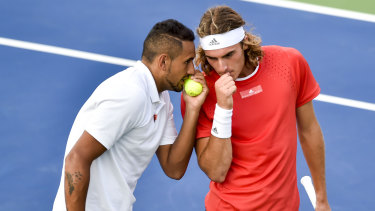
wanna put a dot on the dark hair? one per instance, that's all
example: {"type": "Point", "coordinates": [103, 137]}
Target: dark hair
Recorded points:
{"type": "Point", "coordinates": [221, 19]}
{"type": "Point", "coordinates": [166, 37]}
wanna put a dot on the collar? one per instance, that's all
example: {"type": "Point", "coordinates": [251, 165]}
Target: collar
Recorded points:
{"type": "Point", "coordinates": [151, 85]}
{"type": "Point", "coordinates": [249, 76]}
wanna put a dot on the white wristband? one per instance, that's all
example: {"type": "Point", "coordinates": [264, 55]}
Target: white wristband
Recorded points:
{"type": "Point", "coordinates": [222, 123]}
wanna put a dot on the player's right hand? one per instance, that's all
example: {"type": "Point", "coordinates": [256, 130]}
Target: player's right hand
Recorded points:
{"type": "Point", "coordinates": [197, 101]}
{"type": "Point", "coordinates": [225, 87]}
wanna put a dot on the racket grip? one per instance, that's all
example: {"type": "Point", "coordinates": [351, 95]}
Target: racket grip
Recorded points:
{"type": "Point", "coordinates": [309, 188]}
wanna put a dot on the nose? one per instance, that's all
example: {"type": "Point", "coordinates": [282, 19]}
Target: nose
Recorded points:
{"type": "Point", "coordinates": [191, 69]}
{"type": "Point", "coordinates": [222, 66]}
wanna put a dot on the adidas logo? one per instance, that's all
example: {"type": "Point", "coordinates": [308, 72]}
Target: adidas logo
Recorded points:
{"type": "Point", "coordinates": [215, 130]}
{"type": "Point", "coordinates": [250, 92]}
{"type": "Point", "coordinates": [213, 42]}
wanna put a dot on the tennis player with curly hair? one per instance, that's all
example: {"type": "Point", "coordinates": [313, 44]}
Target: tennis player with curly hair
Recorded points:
{"type": "Point", "coordinates": [260, 99]}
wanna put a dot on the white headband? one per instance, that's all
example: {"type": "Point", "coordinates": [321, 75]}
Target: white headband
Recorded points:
{"type": "Point", "coordinates": [218, 41]}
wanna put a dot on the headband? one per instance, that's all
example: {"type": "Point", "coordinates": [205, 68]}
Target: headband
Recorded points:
{"type": "Point", "coordinates": [218, 41]}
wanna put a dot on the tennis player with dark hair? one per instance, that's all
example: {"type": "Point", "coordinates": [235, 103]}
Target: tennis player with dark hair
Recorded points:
{"type": "Point", "coordinates": [126, 120]}
{"type": "Point", "coordinates": [246, 132]}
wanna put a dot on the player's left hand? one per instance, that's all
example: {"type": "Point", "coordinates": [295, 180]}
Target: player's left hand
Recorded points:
{"type": "Point", "coordinates": [197, 101]}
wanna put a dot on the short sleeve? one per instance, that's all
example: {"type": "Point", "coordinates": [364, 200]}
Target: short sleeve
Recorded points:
{"type": "Point", "coordinates": [170, 133]}
{"type": "Point", "coordinates": [307, 87]}
{"type": "Point", "coordinates": [115, 114]}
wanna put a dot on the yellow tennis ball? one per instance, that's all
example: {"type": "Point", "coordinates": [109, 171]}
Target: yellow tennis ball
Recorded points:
{"type": "Point", "coordinates": [192, 87]}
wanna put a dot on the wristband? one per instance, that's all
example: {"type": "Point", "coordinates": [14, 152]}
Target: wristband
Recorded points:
{"type": "Point", "coordinates": [222, 123]}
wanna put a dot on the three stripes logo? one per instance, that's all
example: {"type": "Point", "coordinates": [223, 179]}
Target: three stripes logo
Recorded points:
{"type": "Point", "coordinates": [213, 42]}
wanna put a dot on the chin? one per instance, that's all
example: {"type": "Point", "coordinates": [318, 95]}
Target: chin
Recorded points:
{"type": "Point", "coordinates": [178, 88]}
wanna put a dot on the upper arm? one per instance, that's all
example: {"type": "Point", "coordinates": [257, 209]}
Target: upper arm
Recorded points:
{"type": "Point", "coordinates": [308, 125]}
{"type": "Point", "coordinates": [162, 153]}
{"type": "Point", "coordinates": [305, 116]}
{"type": "Point", "coordinates": [86, 149]}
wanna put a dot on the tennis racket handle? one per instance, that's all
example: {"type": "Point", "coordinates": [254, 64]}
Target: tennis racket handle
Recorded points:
{"type": "Point", "coordinates": [307, 184]}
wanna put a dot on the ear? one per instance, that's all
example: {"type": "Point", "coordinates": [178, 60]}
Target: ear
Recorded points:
{"type": "Point", "coordinates": [163, 62]}
{"type": "Point", "coordinates": [244, 46]}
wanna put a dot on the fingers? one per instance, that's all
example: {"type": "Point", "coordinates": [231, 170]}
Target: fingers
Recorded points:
{"type": "Point", "coordinates": [225, 84]}
{"type": "Point", "coordinates": [230, 86]}
{"type": "Point", "coordinates": [199, 77]}
{"type": "Point", "coordinates": [197, 101]}
{"type": "Point", "coordinates": [225, 87]}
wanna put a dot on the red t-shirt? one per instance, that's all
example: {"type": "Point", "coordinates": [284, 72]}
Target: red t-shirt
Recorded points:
{"type": "Point", "coordinates": [262, 175]}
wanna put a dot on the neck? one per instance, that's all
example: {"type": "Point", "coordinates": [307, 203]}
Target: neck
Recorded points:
{"type": "Point", "coordinates": [247, 70]}
{"type": "Point", "coordinates": [151, 67]}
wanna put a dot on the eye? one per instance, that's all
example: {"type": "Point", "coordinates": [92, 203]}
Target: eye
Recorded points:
{"type": "Point", "coordinates": [229, 55]}
{"type": "Point", "coordinates": [188, 61]}
{"type": "Point", "coordinates": [211, 58]}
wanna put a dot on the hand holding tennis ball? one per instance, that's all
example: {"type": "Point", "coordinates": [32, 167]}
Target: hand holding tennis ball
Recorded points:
{"type": "Point", "coordinates": [192, 88]}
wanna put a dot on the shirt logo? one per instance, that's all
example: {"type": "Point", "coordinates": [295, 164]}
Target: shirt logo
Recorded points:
{"type": "Point", "coordinates": [215, 130]}
{"type": "Point", "coordinates": [250, 92]}
{"type": "Point", "coordinates": [213, 42]}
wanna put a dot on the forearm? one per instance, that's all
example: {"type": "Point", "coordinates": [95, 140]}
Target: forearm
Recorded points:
{"type": "Point", "coordinates": [216, 158]}
{"type": "Point", "coordinates": [312, 144]}
{"type": "Point", "coordinates": [180, 151]}
{"type": "Point", "coordinates": [77, 178]}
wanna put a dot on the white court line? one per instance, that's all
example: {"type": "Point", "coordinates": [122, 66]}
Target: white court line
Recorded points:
{"type": "Point", "coordinates": [126, 62]}
{"type": "Point", "coordinates": [346, 102]}
{"type": "Point", "coordinates": [317, 9]}
{"type": "Point", "coordinates": [65, 52]}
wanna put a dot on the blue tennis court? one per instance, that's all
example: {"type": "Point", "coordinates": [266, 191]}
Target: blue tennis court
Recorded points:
{"type": "Point", "coordinates": [41, 93]}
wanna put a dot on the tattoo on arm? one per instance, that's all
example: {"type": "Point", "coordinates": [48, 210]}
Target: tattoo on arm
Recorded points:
{"type": "Point", "coordinates": [73, 180]}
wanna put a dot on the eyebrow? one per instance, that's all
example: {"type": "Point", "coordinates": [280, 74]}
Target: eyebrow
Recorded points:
{"type": "Point", "coordinates": [227, 54]}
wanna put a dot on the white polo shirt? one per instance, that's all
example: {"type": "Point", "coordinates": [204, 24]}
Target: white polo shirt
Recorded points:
{"type": "Point", "coordinates": [120, 114]}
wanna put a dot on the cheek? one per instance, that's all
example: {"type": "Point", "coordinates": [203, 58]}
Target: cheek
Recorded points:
{"type": "Point", "coordinates": [180, 74]}
{"type": "Point", "coordinates": [213, 64]}
{"type": "Point", "coordinates": [239, 62]}
{"type": "Point", "coordinates": [177, 71]}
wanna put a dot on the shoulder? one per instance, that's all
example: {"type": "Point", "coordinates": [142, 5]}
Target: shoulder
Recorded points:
{"type": "Point", "coordinates": [280, 49]}
{"type": "Point", "coordinates": [125, 87]}
{"type": "Point", "coordinates": [282, 53]}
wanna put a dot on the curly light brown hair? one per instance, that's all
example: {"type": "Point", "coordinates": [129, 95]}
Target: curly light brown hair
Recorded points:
{"type": "Point", "coordinates": [221, 19]}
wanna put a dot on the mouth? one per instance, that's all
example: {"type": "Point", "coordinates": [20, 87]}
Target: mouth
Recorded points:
{"type": "Point", "coordinates": [182, 81]}
{"type": "Point", "coordinates": [230, 73]}
{"type": "Point", "coordinates": [185, 77]}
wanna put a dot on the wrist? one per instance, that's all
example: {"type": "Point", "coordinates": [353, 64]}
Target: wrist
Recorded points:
{"type": "Point", "coordinates": [321, 198]}
{"type": "Point", "coordinates": [226, 106]}
{"type": "Point", "coordinates": [191, 112]}
{"type": "Point", "coordinates": [222, 122]}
